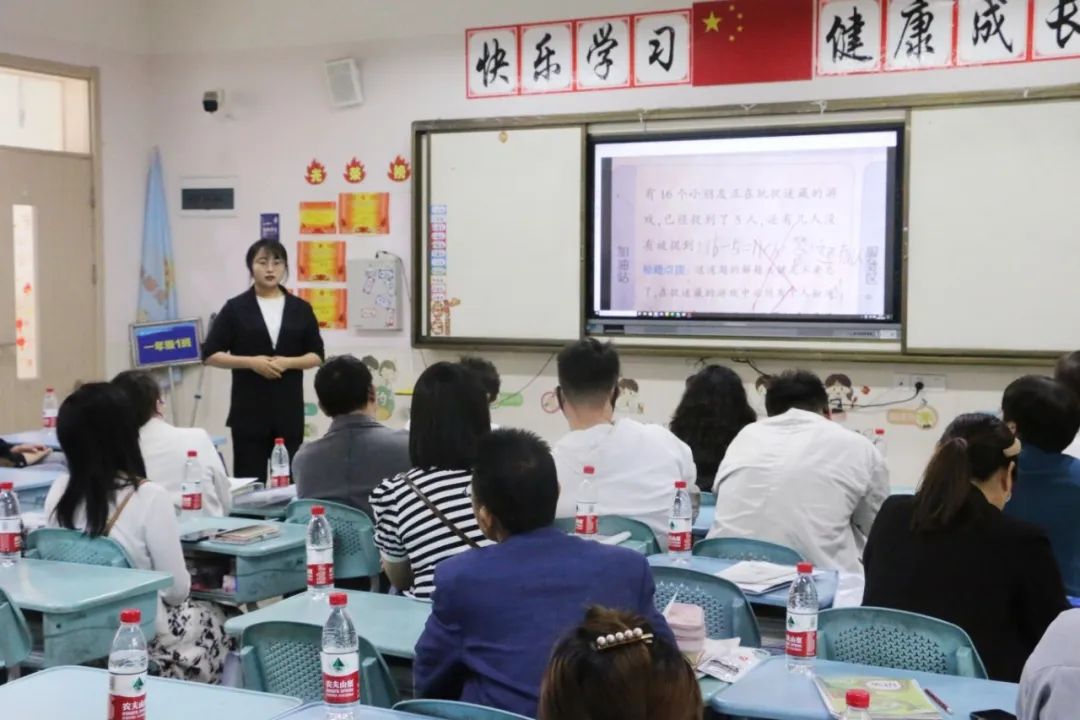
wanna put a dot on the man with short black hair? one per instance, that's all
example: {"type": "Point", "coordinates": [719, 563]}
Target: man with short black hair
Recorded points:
{"type": "Point", "coordinates": [1045, 415]}
{"type": "Point", "coordinates": [1067, 372]}
{"type": "Point", "coordinates": [801, 480]}
{"type": "Point", "coordinates": [357, 452]}
{"type": "Point", "coordinates": [498, 610]}
{"type": "Point", "coordinates": [635, 465]}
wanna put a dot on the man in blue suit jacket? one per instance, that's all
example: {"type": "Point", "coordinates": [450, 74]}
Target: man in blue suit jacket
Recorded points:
{"type": "Point", "coordinates": [498, 611]}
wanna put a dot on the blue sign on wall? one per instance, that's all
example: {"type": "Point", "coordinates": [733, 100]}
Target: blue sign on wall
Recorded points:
{"type": "Point", "coordinates": [177, 342]}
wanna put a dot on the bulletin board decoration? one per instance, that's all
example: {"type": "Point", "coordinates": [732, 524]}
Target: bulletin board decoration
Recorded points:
{"type": "Point", "coordinates": [364, 213]}
{"type": "Point", "coordinates": [318, 217]}
{"type": "Point", "coordinates": [330, 306]}
{"type": "Point", "coordinates": [320, 261]}
{"type": "Point", "coordinates": [400, 170]}
{"type": "Point", "coordinates": [355, 172]}
{"type": "Point", "coordinates": [315, 173]}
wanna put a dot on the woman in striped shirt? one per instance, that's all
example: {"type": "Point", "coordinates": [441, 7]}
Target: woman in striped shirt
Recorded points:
{"type": "Point", "coordinates": [425, 515]}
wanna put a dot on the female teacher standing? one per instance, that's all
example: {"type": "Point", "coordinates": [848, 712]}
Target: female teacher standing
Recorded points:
{"type": "Point", "coordinates": [267, 337]}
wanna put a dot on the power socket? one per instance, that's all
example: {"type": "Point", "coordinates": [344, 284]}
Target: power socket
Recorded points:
{"type": "Point", "coordinates": [930, 383]}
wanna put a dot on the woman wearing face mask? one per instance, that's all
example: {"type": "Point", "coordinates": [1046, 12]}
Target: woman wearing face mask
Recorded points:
{"type": "Point", "coordinates": [267, 337]}
{"type": "Point", "coordinates": [950, 553]}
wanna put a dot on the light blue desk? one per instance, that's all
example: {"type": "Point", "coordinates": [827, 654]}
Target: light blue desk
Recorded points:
{"type": "Point", "coordinates": [826, 580]}
{"type": "Point", "coordinates": [81, 693]}
{"type": "Point", "coordinates": [317, 711]}
{"type": "Point", "coordinates": [264, 569]}
{"type": "Point", "coordinates": [770, 692]}
{"type": "Point", "coordinates": [74, 610]}
{"type": "Point", "coordinates": [31, 486]}
{"type": "Point", "coordinates": [43, 437]}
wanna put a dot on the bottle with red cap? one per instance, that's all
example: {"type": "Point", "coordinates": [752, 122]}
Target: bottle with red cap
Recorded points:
{"type": "Point", "coordinates": [858, 705]}
{"type": "Point", "coordinates": [802, 621]}
{"type": "Point", "coordinates": [320, 553]}
{"type": "Point", "coordinates": [10, 525]}
{"type": "Point", "coordinates": [279, 464]}
{"type": "Point", "coordinates": [681, 526]}
{"type": "Point", "coordinates": [50, 410]}
{"type": "Point", "coordinates": [191, 497]}
{"type": "Point", "coordinates": [127, 669]}
{"type": "Point", "coordinates": [340, 660]}
{"type": "Point", "coordinates": [586, 519]}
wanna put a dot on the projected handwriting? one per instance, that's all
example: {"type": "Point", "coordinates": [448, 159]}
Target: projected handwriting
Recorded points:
{"type": "Point", "coordinates": [492, 64]}
{"type": "Point", "coordinates": [916, 36]}
{"type": "Point", "coordinates": [1062, 20]}
{"type": "Point", "coordinates": [989, 23]}
{"type": "Point", "coordinates": [603, 44]}
{"type": "Point", "coordinates": [543, 67]}
{"type": "Point", "coordinates": [846, 39]}
{"type": "Point", "coordinates": [662, 47]}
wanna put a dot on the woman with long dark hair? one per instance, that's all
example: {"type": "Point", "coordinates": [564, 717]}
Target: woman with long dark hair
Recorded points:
{"type": "Point", "coordinates": [949, 551]}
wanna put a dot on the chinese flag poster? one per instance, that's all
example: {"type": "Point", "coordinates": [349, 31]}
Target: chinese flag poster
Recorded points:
{"type": "Point", "coordinates": [752, 41]}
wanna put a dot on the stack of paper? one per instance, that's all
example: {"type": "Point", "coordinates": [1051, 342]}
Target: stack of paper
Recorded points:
{"type": "Point", "coordinates": [725, 660]}
{"type": "Point", "coordinates": [757, 578]}
{"type": "Point", "coordinates": [262, 498]}
{"type": "Point", "coordinates": [242, 486]}
{"type": "Point", "coordinates": [890, 698]}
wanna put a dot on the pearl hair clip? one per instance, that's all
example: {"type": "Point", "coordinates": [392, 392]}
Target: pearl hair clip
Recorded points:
{"type": "Point", "coordinates": [625, 637]}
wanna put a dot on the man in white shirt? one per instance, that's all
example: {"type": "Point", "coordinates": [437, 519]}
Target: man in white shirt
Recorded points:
{"type": "Point", "coordinates": [635, 465]}
{"type": "Point", "coordinates": [1067, 373]}
{"type": "Point", "coordinates": [165, 447]}
{"type": "Point", "coordinates": [801, 480]}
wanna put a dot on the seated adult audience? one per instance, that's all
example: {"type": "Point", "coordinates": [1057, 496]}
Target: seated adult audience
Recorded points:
{"type": "Point", "coordinates": [1050, 684]}
{"type": "Point", "coordinates": [642, 678]}
{"type": "Point", "coordinates": [1067, 372]}
{"type": "Point", "coordinates": [106, 495]}
{"type": "Point", "coordinates": [21, 456]}
{"type": "Point", "coordinates": [1046, 417]}
{"type": "Point", "coordinates": [357, 452]}
{"type": "Point", "coordinates": [950, 553]}
{"type": "Point", "coordinates": [164, 447]}
{"type": "Point", "coordinates": [635, 465]}
{"type": "Point", "coordinates": [491, 647]}
{"type": "Point", "coordinates": [801, 480]}
{"type": "Point", "coordinates": [711, 413]}
{"type": "Point", "coordinates": [424, 516]}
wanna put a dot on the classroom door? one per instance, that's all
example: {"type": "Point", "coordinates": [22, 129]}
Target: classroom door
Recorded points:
{"type": "Point", "coordinates": [58, 187]}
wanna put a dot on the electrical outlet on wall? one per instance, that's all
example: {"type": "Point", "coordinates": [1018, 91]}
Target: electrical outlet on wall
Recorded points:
{"type": "Point", "coordinates": [934, 383]}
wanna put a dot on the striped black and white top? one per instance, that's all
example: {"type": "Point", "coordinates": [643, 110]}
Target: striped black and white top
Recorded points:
{"type": "Point", "coordinates": [405, 529]}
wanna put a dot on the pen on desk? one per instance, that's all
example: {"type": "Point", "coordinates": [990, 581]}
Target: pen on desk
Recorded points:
{"type": "Point", "coordinates": [938, 701]}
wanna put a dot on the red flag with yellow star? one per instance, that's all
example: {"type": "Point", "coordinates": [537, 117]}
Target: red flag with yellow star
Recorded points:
{"type": "Point", "coordinates": [752, 41]}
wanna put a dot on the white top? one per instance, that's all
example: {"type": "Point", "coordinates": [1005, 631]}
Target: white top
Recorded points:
{"type": "Point", "coordinates": [147, 529]}
{"type": "Point", "coordinates": [164, 450]}
{"type": "Point", "coordinates": [803, 481]}
{"type": "Point", "coordinates": [636, 469]}
{"type": "Point", "coordinates": [272, 311]}
{"type": "Point", "coordinates": [1074, 448]}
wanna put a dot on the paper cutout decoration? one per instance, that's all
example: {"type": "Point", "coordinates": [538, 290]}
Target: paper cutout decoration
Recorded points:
{"type": "Point", "coordinates": [364, 213]}
{"type": "Point", "coordinates": [993, 32]}
{"type": "Point", "coordinates": [315, 173]}
{"type": "Point", "coordinates": [491, 60]}
{"type": "Point", "coordinates": [547, 62]}
{"type": "Point", "coordinates": [628, 401]}
{"type": "Point", "coordinates": [849, 39]}
{"type": "Point", "coordinates": [384, 375]}
{"type": "Point", "coordinates": [355, 172]}
{"type": "Point", "coordinates": [320, 261]}
{"type": "Point", "coordinates": [318, 218]}
{"type": "Point", "coordinates": [919, 34]}
{"type": "Point", "coordinates": [330, 306]}
{"type": "Point", "coordinates": [400, 171]}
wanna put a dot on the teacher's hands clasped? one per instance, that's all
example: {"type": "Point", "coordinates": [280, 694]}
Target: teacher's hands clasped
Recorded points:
{"type": "Point", "coordinates": [270, 368]}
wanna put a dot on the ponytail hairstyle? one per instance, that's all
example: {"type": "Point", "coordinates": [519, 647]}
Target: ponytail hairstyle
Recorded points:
{"type": "Point", "coordinates": [644, 679]}
{"type": "Point", "coordinates": [974, 447]}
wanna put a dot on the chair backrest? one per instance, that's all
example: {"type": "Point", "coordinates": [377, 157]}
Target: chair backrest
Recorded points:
{"type": "Point", "coordinates": [452, 710]}
{"type": "Point", "coordinates": [15, 642]}
{"type": "Point", "coordinates": [355, 554]}
{"type": "Point", "coordinates": [76, 546]}
{"type": "Point", "coordinates": [746, 549]}
{"type": "Point", "coordinates": [708, 499]}
{"type": "Point", "coordinates": [727, 612]}
{"type": "Point", "coordinates": [615, 524]}
{"type": "Point", "coordinates": [897, 639]}
{"type": "Point", "coordinates": [283, 658]}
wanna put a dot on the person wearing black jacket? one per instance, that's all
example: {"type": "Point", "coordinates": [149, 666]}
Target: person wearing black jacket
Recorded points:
{"type": "Point", "coordinates": [950, 553]}
{"type": "Point", "coordinates": [267, 337]}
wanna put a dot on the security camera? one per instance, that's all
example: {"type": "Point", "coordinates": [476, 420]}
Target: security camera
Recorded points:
{"type": "Point", "coordinates": [212, 100]}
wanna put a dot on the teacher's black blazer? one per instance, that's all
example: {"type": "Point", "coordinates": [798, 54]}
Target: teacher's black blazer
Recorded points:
{"type": "Point", "coordinates": [259, 405]}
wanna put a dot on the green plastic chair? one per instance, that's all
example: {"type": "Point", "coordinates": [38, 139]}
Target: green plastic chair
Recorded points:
{"type": "Point", "coordinates": [899, 640]}
{"type": "Point", "coordinates": [708, 499]}
{"type": "Point", "coordinates": [75, 546]}
{"type": "Point", "coordinates": [283, 658]}
{"type": "Point", "coordinates": [746, 549]}
{"type": "Point", "coordinates": [355, 554]}
{"type": "Point", "coordinates": [452, 710]}
{"type": "Point", "coordinates": [615, 524]}
{"type": "Point", "coordinates": [727, 612]}
{"type": "Point", "coordinates": [15, 641]}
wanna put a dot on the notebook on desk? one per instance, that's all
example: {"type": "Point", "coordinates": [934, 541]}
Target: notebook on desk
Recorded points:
{"type": "Point", "coordinates": [758, 578]}
{"type": "Point", "coordinates": [890, 698]}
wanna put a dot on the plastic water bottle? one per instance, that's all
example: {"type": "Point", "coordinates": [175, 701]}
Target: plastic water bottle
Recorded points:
{"type": "Point", "coordinates": [802, 621]}
{"type": "Point", "coordinates": [340, 661]}
{"type": "Point", "coordinates": [586, 521]}
{"type": "Point", "coordinates": [127, 669]}
{"type": "Point", "coordinates": [858, 705]}
{"type": "Point", "coordinates": [279, 464]}
{"type": "Point", "coordinates": [320, 553]}
{"type": "Point", "coordinates": [879, 441]}
{"type": "Point", "coordinates": [191, 499]}
{"type": "Point", "coordinates": [681, 525]}
{"type": "Point", "coordinates": [10, 525]}
{"type": "Point", "coordinates": [50, 409]}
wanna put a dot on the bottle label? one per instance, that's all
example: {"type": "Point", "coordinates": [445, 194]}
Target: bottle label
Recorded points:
{"type": "Point", "coordinates": [279, 481]}
{"type": "Point", "coordinates": [10, 535]}
{"type": "Point", "coordinates": [191, 501]}
{"type": "Point", "coordinates": [586, 524]}
{"type": "Point", "coordinates": [679, 542]}
{"type": "Point", "coordinates": [802, 634]}
{"type": "Point", "coordinates": [127, 696]}
{"type": "Point", "coordinates": [320, 567]}
{"type": "Point", "coordinates": [341, 678]}
{"type": "Point", "coordinates": [48, 422]}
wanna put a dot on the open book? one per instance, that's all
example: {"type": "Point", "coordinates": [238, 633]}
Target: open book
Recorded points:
{"type": "Point", "coordinates": [890, 698]}
{"type": "Point", "coordinates": [757, 578]}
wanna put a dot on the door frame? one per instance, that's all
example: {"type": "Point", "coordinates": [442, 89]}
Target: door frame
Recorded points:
{"type": "Point", "coordinates": [90, 74]}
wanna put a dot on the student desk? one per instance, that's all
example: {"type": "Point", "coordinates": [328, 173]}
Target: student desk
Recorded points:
{"type": "Point", "coordinates": [264, 569]}
{"type": "Point", "coordinates": [826, 580]}
{"type": "Point", "coordinates": [48, 439]}
{"type": "Point", "coordinates": [73, 610]}
{"type": "Point", "coordinates": [317, 711]}
{"type": "Point", "coordinates": [772, 693]}
{"type": "Point", "coordinates": [81, 693]}
{"type": "Point", "coordinates": [31, 486]}
{"type": "Point", "coordinates": [269, 503]}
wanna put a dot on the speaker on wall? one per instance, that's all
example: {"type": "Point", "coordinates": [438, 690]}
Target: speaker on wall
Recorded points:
{"type": "Point", "coordinates": [343, 83]}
